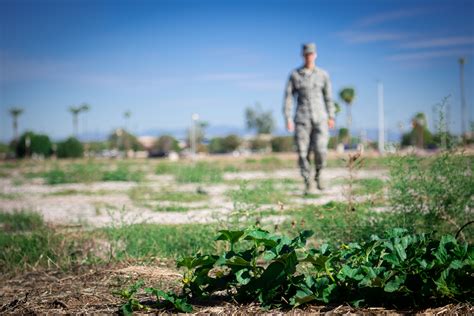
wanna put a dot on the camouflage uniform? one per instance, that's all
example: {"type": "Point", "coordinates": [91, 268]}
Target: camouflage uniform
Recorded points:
{"type": "Point", "coordinates": [312, 88]}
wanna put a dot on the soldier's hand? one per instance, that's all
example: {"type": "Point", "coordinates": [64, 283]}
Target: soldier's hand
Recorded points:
{"type": "Point", "coordinates": [331, 123]}
{"type": "Point", "coordinates": [290, 127]}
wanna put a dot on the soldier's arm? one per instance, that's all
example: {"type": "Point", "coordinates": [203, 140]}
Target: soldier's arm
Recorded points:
{"type": "Point", "coordinates": [288, 102]}
{"type": "Point", "coordinates": [327, 92]}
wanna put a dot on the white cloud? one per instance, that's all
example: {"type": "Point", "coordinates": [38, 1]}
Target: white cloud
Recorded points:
{"type": "Point", "coordinates": [430, 54]}
{"type": "Point", "coordinates": [439, 42]}
{"type": "Point", "coordinates": [358, 37]}
{"type": "Point", "coordinates": [390, 16]}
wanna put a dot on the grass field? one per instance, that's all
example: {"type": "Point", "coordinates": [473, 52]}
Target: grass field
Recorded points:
{"type": "Point", "coordinates": [67, 216]}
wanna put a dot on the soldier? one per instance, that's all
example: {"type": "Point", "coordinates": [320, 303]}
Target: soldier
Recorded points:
{"type": "Point", "coordinates": [314, 114]}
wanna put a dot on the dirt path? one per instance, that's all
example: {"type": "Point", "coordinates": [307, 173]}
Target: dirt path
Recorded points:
{"type": "Point", "coordinates": [105, 203]}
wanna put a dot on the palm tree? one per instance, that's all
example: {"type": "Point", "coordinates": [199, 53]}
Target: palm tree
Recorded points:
{"type": "Point", "coordinates": [75, 111]}
{"type": "Point", "coordinates": [347, 95]}
{"type": "Point", "coordinates": [15, 113]}
{"type": "Point", "coordinates": [337, 109]}
{"type": "Point", "coordinates": [419, 124]}
{"type": "Point", "coordinates": [127, 114]}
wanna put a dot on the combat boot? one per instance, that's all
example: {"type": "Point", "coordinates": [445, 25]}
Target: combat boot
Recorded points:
{"type": "Point", "coordinates": [308, 187]}
{"type": "Point", "coordinates": [319, 180]}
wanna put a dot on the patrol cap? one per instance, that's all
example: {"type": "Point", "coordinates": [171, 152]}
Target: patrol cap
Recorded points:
{"type": "Point", "coordinates": [309, 48]}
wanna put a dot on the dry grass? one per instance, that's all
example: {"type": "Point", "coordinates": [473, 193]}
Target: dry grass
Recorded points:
{"type": "Point", "coordinates": [89, 289]}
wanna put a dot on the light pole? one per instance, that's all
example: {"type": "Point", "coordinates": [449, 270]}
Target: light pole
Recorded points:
{"type": "Point", "coordinates": [381, 141]}
{"type": "Point", "coordinates": [463, 100]}
{"type": "Point", "coordinates": [195, 118]}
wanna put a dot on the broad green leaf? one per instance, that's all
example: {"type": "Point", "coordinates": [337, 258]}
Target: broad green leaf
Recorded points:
{"type": "Point", "coordinates": [193, 262]}
{"type": "Point", "coordinates": [400, 251]}
{"type": "Point", "coordinates": [456, 264]}
{"type": "Point", "coordinates": [302, 297]}
{"type": "Point", "coordinates": [237, 261]}
{"type": "Point", "coordinates": [324, 248]}
{"type": "Point", "coordinates": [230, 235]}
{"type": "Point", "coordinates": [394, 284]}
{"type": "Point", "coordinates": [243, 276]}
{"type": "Point", "coordinates": [182, 306]}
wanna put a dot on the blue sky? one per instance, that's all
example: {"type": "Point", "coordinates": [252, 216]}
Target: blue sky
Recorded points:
{"type": "Point", "coordinates": [164, 60]}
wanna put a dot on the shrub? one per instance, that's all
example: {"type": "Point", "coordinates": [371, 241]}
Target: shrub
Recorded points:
{"type": "Point", "coordinates": [231, 142]}
{"type": "Point", "coordinates": [260, 144]}
{"type": "Point", "coordinates": [397, 269]}
{"type": "Point", "coordinates": [123, 140]}
{"type": "Point", "coordinates": [282, 144]}
{"type": "Point", "coordinates": [70, 148]}
{"type": "Point", "coordinates": [4, 148]}
{"type": "Point", "coordinates": [166, 144]}
{"type": "Point", "coordinates": [122, 173]}
{"type": "Point", "coordinates": [344, 135]}
{"type": "Point", "coordinates": [219, 145]}
{"type": "Point", "coordinates": [74, 173]}
{"type": "Point", "coordinates": [418, 138]}
{"type": "Point", "coordinates": [38, 144]}
{"type": "Point", "coordinates": [21, 221]}
{"type": "Point", "coordinates": [441, 187]}
{"type": "Point", "coordinates": [199, 173]}
{"type": "Point", "coordinates": [215, 146]}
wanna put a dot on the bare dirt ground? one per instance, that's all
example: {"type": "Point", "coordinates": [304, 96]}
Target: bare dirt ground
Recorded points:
{"type": "Point", "coordinates": [104, 203]}
{"type": "Point", "coordinates": [89, 290]}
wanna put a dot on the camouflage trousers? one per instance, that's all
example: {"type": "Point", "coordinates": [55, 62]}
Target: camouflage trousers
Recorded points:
{"type": "Point", "coordinates": [311, 138]}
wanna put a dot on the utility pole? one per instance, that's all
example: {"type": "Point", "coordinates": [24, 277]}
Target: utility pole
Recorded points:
{"type": "Point", "coordinates": [463, 99]}
{"type": "Point", "coordinates": [381, 141]}
{"type": "Point", "coordinates": [195, 118]}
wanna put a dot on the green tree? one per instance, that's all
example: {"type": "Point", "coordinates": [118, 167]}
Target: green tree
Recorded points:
{"type": "Point", "coordinates": [419, 136]}
{"type": "Point", "coordinates": [30, 143]}
{"type": "Point", "coordinates": [120, 138]}
{"type": "Point", "coordinates": [344, 136]}
{"type": "Point", "coordinates": [333, 143]}
{"type": "Point", "coordinates": [70, 148]}
{"type": "Point", "coordinates": [15, 113]}
{"type": "Point", "coordinates": [166, 144]}
{"type": "Point", "coordinates": [282, 144]}
{"type": "Point", "coordinates": [420, 130]}
{"type": "Point", "coordinates": [260, 121]}
{"type": "Point", "coordinates": [75, 111]}
{"type": "Point", "coordinates": [228, 144]}
{"type": "Point", "coordinates": [347, 95]}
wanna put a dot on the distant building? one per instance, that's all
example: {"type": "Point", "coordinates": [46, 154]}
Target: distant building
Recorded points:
{"type": "Point", "coordinates": [147, 141]}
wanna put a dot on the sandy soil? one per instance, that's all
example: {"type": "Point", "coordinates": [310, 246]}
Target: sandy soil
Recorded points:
{"type": "Point", "coordinates": [106, 203]}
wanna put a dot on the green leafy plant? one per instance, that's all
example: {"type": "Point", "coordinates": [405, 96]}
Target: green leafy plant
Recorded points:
{"type": "Point", "coordinates": [70, 148]}
{"type": "Point", "coordinates": [30, 143]}
{"type": "Point", "coordinates": [128, 294]}
{"type": "Point", "coordinates": [169, 300]}
{"type": "Point", "coordinates": [122, 173]}
{"type": "Point", "coordinates": [400, 269]}
{"type": "Point", "coordinates": [440, 187]}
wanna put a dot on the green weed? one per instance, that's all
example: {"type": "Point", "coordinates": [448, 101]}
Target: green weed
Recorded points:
{"type": "Point", "coordinates": [165, 241]}
{"type": "Point", "coordinates": [440, 187]}
{"type": "Point", "coordinates": [263, 192]}
{"type": "Point", "coordinates": [21, 221]}
{"type": "Point", "coordinates": [144, 194]}
{"type": "Point", "coordinates": [398, 269]}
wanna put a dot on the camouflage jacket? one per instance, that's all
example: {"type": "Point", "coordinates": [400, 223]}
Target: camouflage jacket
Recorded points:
{"type": "Point", "coordinates": [312, 89]}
